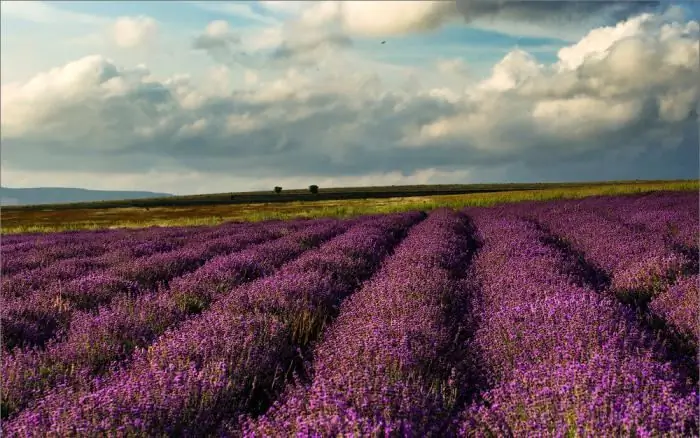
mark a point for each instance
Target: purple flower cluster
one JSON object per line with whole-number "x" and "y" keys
{"x": 36, "y": 315}
{"x": 638, "y": 262}
{"x": 561, "y": 359}
{"x": 679, "y": 305}
{"x": 383, "y": 366}
{"x": 28, "y": 252}
{"x": 95, "y": 341}
{"x": 191, "y": 378}
{"x": 18, "y": 260}
{"x": 34, "y": 319}
{"x": 24, "y": 283}
{"x": 225, "y": 272}
{"x": 673, "y": 215}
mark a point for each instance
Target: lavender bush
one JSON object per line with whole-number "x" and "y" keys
{"x": 565, "y": 318}
{"x": 562, "y": 359}
{"x": 383, "y": 366}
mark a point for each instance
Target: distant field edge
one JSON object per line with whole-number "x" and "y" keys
{"x": 325, "y": 194}
{"x": 44, "y": 219}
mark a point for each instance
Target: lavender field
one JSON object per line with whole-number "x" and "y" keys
{"x": 561, "y": 318}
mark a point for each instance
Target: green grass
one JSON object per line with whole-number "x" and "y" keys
{"x": 63, "y": 219}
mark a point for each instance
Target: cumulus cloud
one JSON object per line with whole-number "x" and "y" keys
{"x": 217, "y": 35}
{"x": 512, "y": 71}
{"x": 130, "y": 32}
{"x": 71, "y": 102}
{"x": 640, "y": 83}
{"x": 386, "y": 18}
{"x": 219, "y": 41}
{"x": 636, "y": 98}
{"x": 454, "y": 66}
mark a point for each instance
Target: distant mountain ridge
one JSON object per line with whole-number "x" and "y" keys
{"x": 60, "y": 195}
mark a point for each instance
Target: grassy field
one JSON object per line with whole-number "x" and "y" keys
{"x": 324, "y": 194}
{"x": 256, "y": 206}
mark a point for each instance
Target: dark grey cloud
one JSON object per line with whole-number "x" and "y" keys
{"x": 207, "y": 42}
{"x": 553, "y": 11}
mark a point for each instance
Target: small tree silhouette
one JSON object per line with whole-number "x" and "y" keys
{"x": 278, "y": 189}
{"x": 313, "y": 189}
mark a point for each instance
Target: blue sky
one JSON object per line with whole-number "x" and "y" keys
{"x": 459, "y": 92}
{"x": 480, "y": 47}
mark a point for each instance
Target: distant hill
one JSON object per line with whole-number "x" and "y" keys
{"x": 60, "y": 195}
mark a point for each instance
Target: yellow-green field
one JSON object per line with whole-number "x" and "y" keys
{"x": 48, "y": 219}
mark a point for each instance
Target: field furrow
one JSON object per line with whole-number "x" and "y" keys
{"x": 386, "y": 364}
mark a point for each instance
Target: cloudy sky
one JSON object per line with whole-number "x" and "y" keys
{"x": 200, "y": 97}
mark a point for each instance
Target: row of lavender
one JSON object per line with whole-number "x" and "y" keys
{"x": 389, "y": 363}
{"x": 555, "y": 357}
{"x": 230, "y": 357}
{"x": 645, "y": 246}
{"x": 675, "y": 217}
{"x": 561, "y": 359}
{"x": 113, "y": 247}
{"x": 26, "y": 252}
{"x": 38, "y": 303}
{"x": 96, "y": 340}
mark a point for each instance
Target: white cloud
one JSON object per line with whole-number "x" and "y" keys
{"x": 129, "y": 32}
{"x": 395, "y": 17}
{"x": 218, "y": 34}
{"x": 512, "y": 71}
{"x": 74, "y": 100}
{"x": 378, "y": 18}
{"x": 220, "y": 42}
{"x": 596, "y": 44}
{"x": 353, "y": 121}
{"x": 265, "y": 38}
{"x": 642, "y": 80}
{"x": 193, "y": 129}
{"x": 455, "y": 66}
{"x": 560, "y": 19}
{"x": 251, "y": 78}
{"x": 579, "y": 118}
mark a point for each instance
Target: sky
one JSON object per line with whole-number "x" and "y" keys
{"x": 206, "y": 97}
